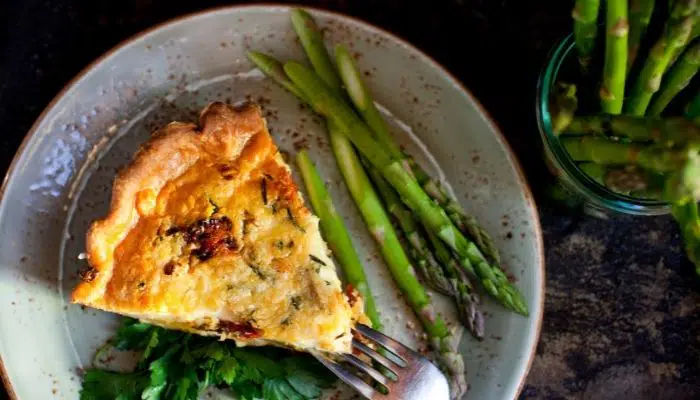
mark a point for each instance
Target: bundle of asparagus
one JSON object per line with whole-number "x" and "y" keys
{"x": 446, "y": 245}
{"x": 635, "y": 145}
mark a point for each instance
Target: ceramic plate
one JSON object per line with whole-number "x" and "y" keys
{"x": 60, "y": 180}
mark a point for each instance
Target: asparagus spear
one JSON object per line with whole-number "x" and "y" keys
{"x": 684, "y": 183}
{"x": 640, "y": 16}
{"x": 676, "y": 79}
{"x": 379, "y": 224}
{"x": 612, "y": 90}
{"x": 675, "y": 36}
{"x": 434, "y": 218}
{"x": 337, "y": 236}
{"x": 688, "y": 218}
{"x": 694, "y": 34}
{"x": 563, "y": 106}
{"x": 350, "y": 166}
{"x": 466, "y": 223}
{"x": 467, "y": 300}
{"x": 310, "y": 38}
{"x": 683, "y": 191}
{"x": 273, "y": 68}
{"x": 594, "y": 171}
{"x": 667, "y": 131}
{"x": 431, "y": 270}
{"x": 363, "y": 102}
{"x": 372, "y": 210}
{"x": 604, "y": 151}
{"x": 585, "y": 16}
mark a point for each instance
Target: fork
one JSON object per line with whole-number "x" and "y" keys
{"x": 415, "y": 378}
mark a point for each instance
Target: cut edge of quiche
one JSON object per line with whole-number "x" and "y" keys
{"x": 207, "y": 233}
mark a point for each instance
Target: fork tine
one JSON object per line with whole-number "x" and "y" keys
{"x": 359, "y": 364}
{"x": 357, "y": 383}
{"x": 382, "y": 360}
{"x": 392, "y": 345}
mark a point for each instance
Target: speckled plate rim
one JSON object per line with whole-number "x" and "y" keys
{"x": 522, "y": 180}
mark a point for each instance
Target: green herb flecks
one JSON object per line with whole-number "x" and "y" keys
{"x": 316, "y": 260}
{"x": 216, "y": 206}
{"x": 296, "y": 302}
{"x": 258, "y": 271}
{"x": 281, "y": 244}
{"x": 248, "y": 220}
{"x": 292, "y": 219}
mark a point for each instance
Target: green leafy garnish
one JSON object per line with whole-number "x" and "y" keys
{"x": 280, "y": 389}
{"x": 98, "y": 384}
{"x": 179, "y": 366}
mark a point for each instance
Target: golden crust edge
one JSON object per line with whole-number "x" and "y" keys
{"x": 187, "y": 142}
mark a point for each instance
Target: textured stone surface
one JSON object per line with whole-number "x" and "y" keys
{"x": 621, "y": 312}
{"x": 622, "y": 317}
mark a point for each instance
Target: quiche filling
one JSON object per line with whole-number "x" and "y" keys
{"x": 208, "y": 233}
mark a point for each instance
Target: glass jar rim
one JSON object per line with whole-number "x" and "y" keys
{"x": 594, "y": 191}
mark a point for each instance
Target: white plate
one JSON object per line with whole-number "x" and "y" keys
{"x": 61, "y": 177}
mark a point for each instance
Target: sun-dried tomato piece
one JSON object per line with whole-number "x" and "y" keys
{"x": 245, "y": 329}
{"x": 211, "y": 235}
{"x": 351, "y": 294}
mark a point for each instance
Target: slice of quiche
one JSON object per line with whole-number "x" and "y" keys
{"x": 207, "y": 233}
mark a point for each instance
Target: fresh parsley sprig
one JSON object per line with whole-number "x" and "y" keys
{"x": 179, "y": 366}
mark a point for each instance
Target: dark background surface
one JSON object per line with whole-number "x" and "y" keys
{"x": 622, "y": 314}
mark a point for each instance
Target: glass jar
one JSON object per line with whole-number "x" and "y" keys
{"x": 595, "y": 198}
